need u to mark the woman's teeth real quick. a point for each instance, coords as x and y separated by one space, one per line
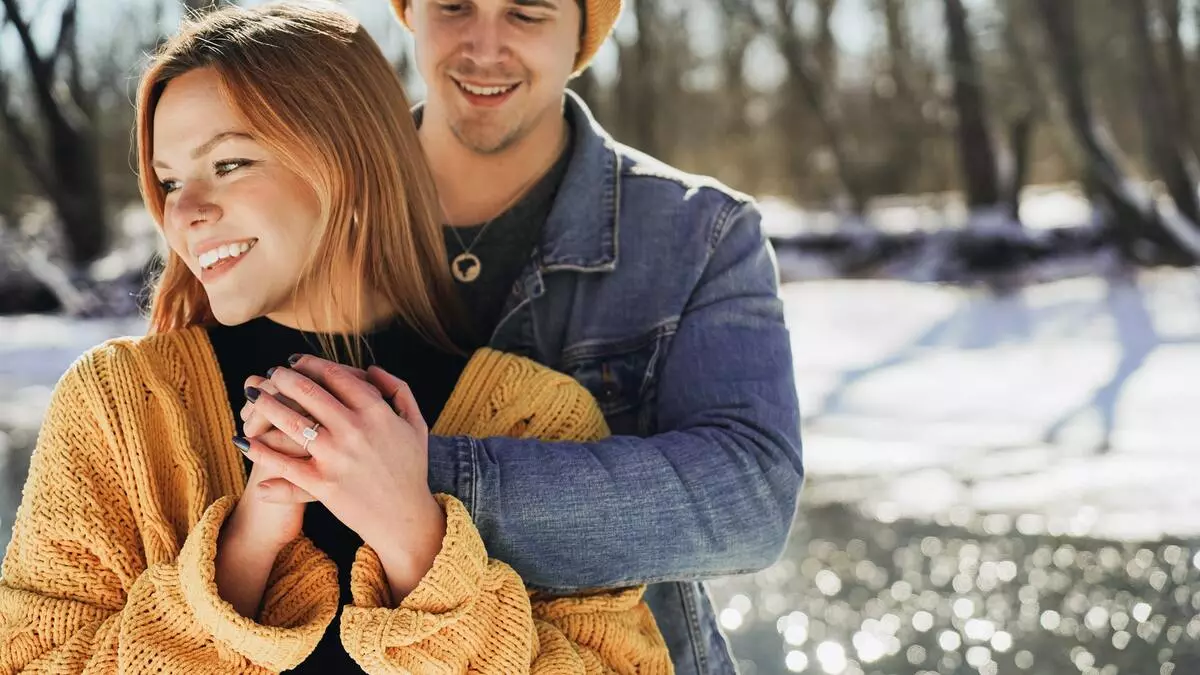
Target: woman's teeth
216 255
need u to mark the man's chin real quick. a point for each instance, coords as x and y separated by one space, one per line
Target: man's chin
485 139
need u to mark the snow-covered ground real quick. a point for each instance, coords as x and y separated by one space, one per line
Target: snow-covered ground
1068 407
1074 404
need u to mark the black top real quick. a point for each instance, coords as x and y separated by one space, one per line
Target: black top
506 246
254 347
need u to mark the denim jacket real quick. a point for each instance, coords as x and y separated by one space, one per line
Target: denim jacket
657 290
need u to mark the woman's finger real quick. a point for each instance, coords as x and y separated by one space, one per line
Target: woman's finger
256 425
291 423
279 442
280 491
302 473
398 394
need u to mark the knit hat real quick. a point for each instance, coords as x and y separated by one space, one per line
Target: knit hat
599 16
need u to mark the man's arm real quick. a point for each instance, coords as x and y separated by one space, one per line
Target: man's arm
714 495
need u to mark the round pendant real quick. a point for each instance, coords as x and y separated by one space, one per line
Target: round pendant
466 267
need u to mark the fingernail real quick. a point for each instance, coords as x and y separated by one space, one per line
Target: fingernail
294 359
271 370
252 393
241 443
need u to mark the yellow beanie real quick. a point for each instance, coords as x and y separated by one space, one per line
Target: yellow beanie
599 18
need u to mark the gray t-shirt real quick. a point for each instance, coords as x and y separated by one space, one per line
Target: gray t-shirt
506 247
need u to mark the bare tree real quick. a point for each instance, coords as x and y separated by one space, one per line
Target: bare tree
63 157
1165 137
1032 109
825 48
976 153
1178 74
645 53
807 85
1131 222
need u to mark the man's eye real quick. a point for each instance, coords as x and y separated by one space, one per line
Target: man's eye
525 18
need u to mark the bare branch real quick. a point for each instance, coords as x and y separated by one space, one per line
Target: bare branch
744 10
66 33
21 140
13 16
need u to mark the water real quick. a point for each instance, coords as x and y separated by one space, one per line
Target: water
857 596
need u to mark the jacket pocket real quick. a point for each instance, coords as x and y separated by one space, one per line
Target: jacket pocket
622 376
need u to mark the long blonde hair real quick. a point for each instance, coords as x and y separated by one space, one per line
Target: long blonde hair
316 91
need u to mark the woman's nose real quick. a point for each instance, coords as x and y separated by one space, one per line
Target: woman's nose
194 205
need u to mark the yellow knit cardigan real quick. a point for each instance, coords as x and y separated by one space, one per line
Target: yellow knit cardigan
111 564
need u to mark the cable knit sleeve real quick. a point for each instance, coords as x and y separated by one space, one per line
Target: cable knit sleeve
77 593
473 614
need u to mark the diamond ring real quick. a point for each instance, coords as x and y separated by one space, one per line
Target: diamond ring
310 434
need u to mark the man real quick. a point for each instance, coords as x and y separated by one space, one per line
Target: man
655 289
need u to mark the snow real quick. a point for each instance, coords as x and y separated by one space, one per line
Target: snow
35 350
1067 395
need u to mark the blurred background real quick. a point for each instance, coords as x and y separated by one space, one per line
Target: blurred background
986 219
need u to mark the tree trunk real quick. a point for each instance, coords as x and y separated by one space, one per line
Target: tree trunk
806 84
66 166
976 153
908 126
899 50
825 50
640 104
1020 136
1129 222
1164 136
1177 69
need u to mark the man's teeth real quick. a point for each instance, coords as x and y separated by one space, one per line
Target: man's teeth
485 91
210 258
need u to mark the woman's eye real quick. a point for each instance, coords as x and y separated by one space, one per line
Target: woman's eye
451 8
169 186
228 166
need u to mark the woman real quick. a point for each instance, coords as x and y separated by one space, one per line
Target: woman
146 543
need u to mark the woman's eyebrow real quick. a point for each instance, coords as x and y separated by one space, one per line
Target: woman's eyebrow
207 146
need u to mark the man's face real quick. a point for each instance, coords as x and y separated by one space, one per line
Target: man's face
495 69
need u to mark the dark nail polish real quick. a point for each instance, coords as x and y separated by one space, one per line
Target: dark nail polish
252 393
294 359
271 371
241 443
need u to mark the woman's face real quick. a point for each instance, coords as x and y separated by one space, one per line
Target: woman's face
243 223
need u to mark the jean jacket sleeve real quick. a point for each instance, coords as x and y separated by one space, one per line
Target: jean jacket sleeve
713 494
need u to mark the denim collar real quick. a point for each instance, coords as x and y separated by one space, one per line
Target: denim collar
582 229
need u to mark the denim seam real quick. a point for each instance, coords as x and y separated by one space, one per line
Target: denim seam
721 225
590 349
688 182
468 483
693 625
